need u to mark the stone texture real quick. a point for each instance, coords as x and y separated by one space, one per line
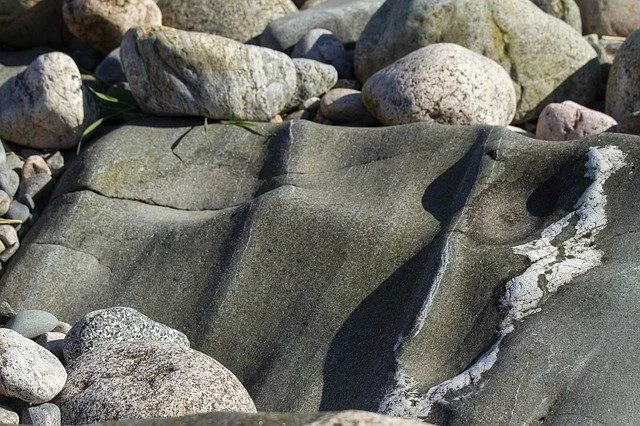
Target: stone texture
314 79
8 417
546 58
345 106
240 20
29 372
609 17
32 23
46 106
5 202
32 323
13 62
147 380
301 256
607 47
119 324
442 83
102 24
173 72
321 45
42 415
569 121
623 87
54 342
110 69
567 10
344 18
10 242
34 165
9 182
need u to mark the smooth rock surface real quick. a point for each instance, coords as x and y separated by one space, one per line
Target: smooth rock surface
442 83
32 23
102 24
623 87
609 17
141 380
32 323
119 324
547 59
10 242
110 69
29 372
173 72
569 121
567 10
46 106
314 79
344 18
345 106
240 20
321 45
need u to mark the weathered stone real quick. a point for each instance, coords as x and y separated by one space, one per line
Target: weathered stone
345 106
546 58
173 72
9 238
110 69
623 87
35 165
120 324
344 18
53 342
18 211
569 121
610 17
442 83
240 20
31 323
29 371
146 379
42 415
567 10
62 327
313 79
102 24
5 202
46 106
9 182
32 23
321 45
8 417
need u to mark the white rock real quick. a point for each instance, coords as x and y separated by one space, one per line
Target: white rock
442 83
569 120
8 417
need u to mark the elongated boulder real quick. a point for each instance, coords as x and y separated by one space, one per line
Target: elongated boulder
442 83
623 86
546 58
240 20
144 380
610 17
174 72
567 10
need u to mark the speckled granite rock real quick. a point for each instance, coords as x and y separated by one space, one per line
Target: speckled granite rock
442 83
173 72
8 417
547 60
42 415
240 20
102 24
137 380
46 106
314 79
29 372
567 10
113 325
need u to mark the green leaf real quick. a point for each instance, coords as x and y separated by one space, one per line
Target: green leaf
247 125
90 128
105 97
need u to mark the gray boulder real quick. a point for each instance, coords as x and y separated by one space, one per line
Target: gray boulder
46 106
609 17
442 83
344 18
314 79
120 324
29 372
173 72
623 86
32 323
335 268
32 23
138 380
546 58
567 10
321 45
240 20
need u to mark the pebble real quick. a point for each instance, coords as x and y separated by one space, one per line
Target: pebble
9 238
46 106
5 202
116 324
34 165
29 372
322 46
9 182
345 106
42 415
32 323
18 211
110 69
55 162
62 327
569 120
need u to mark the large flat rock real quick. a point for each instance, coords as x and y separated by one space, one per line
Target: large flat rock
340 268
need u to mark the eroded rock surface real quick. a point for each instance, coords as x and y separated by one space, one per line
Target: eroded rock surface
389 269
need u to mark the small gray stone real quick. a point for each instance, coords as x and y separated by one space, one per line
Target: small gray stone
9 182
55 162
46 106
314 79
110 69
173 72
441 83
32 323
116 325
18 211
29 372
321 45
9 238
138 380
42 415
8 417
5 202
14 162
345 106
